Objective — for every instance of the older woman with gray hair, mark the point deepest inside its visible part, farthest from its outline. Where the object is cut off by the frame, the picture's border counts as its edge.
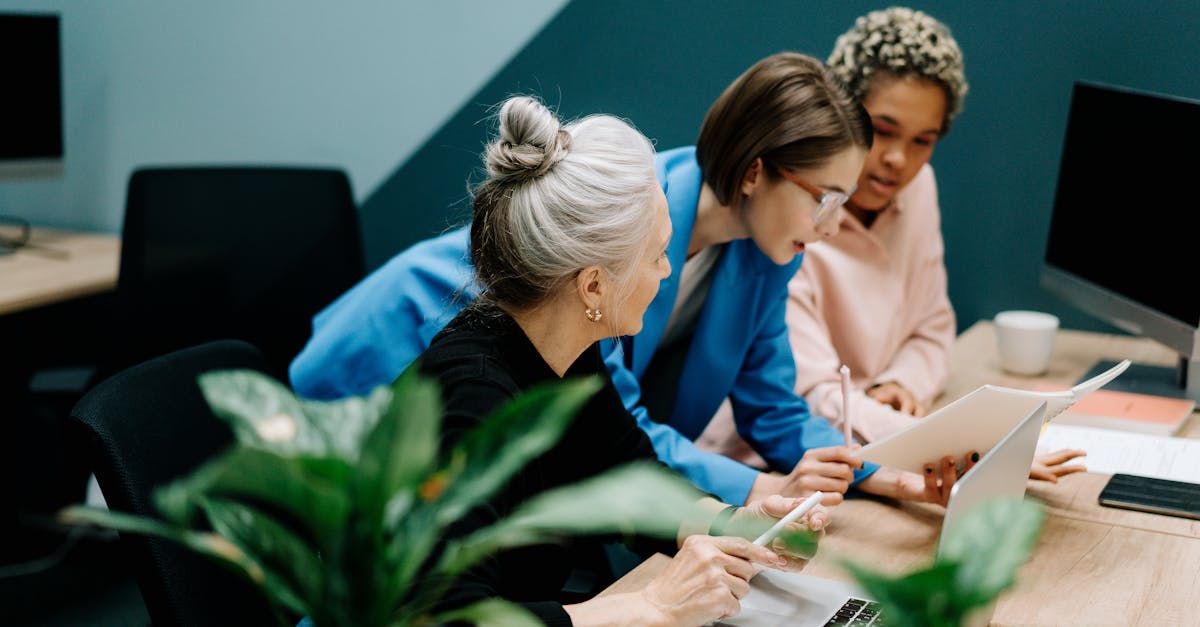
(568, 242)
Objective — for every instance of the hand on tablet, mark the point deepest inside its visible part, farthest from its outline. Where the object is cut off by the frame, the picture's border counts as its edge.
(931, 486)
(940, 477)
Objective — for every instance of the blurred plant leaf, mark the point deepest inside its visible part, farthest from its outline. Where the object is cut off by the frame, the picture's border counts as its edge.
(480, 463)
(641, 498)
(311, 488)
(921, 598)
(978, 561)
(265, 413)
(292, 572)
(990, 543)
(336, 508)
(205, 543)
(345, 423)
(403, 446)
(510, 438)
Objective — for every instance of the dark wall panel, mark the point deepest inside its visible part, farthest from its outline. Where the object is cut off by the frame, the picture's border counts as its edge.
(660, 64)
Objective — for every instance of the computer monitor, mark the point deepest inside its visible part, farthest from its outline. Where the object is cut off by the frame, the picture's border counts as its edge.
(1125, 231)
(31, 113)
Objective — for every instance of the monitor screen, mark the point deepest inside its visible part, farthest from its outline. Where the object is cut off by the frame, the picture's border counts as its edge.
(1124, 230)
(31, 131)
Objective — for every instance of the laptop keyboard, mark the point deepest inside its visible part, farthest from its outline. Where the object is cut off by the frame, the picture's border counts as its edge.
(856, 613)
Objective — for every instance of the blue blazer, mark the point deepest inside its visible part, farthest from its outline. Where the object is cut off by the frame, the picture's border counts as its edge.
(370, 334)
(739, 349)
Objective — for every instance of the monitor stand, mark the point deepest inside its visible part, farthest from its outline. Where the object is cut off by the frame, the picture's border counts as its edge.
(1154, 380)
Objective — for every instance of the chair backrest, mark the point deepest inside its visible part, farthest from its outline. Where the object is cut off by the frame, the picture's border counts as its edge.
(143, 428)
(246, 252)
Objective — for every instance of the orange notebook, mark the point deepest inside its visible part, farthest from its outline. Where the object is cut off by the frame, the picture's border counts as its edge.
(1127, 411)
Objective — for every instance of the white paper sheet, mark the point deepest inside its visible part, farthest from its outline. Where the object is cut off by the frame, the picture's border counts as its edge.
(1110, 451)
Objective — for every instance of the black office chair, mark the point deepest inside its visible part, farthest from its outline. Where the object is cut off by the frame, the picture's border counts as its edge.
(243, 252)
(143, 428)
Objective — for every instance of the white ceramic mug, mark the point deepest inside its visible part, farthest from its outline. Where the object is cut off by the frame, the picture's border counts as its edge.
(1025, 340)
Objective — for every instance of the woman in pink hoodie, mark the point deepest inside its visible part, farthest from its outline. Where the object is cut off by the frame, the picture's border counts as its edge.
(874, 296)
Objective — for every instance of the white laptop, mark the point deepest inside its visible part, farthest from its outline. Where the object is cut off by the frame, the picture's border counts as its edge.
(779, 598)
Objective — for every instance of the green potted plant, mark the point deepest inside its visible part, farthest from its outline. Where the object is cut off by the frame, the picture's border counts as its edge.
(977, 562)
(338, 510)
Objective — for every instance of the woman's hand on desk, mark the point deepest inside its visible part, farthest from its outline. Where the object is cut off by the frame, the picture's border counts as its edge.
(704, 582)
(1051, 466)
(829, 469)
(933, 486)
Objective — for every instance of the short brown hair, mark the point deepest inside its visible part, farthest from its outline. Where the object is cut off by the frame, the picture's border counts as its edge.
(788, 109)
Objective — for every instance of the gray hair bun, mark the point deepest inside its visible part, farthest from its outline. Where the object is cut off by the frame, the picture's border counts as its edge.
(531, 140)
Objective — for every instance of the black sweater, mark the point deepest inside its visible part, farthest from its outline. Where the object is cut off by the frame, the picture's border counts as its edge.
(481, 360)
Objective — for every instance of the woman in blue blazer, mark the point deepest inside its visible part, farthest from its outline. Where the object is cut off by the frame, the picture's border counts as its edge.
(778, 153)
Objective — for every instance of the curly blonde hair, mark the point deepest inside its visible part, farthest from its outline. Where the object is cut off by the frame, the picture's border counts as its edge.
(904, 43)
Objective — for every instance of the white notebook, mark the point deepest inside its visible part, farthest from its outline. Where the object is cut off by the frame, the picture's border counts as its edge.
(975, 422)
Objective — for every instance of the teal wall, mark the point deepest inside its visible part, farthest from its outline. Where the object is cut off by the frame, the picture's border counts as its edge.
(661, 64)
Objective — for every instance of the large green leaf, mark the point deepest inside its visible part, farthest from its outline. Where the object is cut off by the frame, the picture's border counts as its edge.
(979, 557)
(508, 439)
(923, 598)
(265, 413)
(480, 463)
(403, 446)
(345, 423)
(487, 613)
(292, 572)
(313, 490)
(640, 498)
(990, 542)
(205, 543)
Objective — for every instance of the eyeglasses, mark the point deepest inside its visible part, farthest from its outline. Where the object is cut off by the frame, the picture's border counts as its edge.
(828, 201)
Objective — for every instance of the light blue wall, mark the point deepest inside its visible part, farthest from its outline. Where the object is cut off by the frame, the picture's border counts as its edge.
(359, 85)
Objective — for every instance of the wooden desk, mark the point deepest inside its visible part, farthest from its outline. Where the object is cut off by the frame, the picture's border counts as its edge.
(974, 362)
(1092, 565)
(58, 265)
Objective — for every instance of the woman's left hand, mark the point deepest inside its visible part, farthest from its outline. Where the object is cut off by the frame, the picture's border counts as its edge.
(898, 398)
(933, 486)
(1051, 466)
(769, 510)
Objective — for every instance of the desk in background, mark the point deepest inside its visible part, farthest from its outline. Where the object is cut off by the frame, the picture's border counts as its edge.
(58, 266)
(1092, 566)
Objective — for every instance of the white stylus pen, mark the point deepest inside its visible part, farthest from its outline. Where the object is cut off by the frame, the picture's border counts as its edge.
(791, 517)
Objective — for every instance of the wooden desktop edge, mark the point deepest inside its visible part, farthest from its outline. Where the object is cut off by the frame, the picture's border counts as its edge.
(59, 265)
(1071, 504)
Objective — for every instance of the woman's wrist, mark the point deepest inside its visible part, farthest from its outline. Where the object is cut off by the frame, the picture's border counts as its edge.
(618, 610)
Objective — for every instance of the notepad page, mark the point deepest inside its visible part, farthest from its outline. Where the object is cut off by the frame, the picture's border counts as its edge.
(1110, 451)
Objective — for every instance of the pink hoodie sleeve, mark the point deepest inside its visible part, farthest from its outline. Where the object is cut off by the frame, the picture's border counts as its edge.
(818, 379)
